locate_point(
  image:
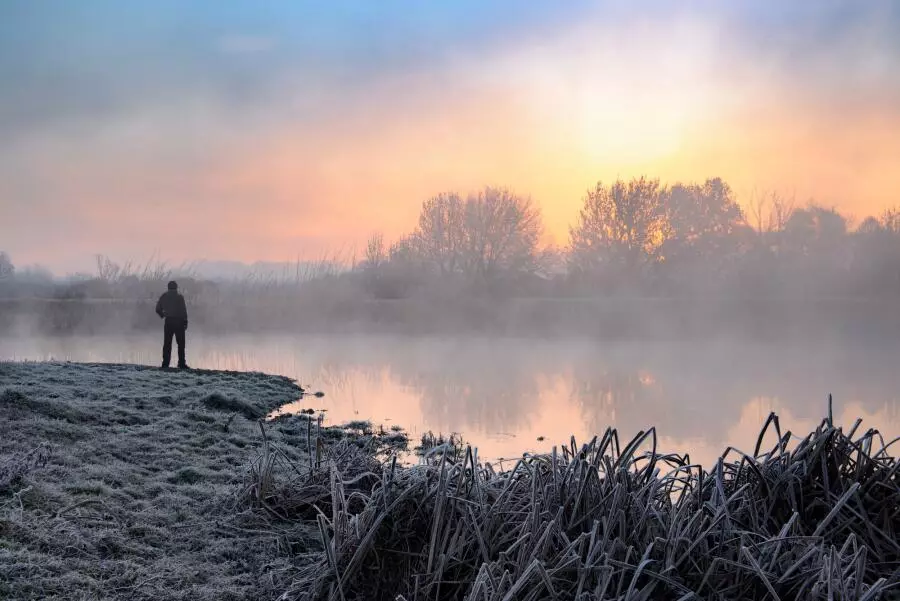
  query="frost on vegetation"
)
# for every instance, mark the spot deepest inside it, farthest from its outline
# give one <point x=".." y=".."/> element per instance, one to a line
<point x="606" y="520"/>
<point x="14" y="467"/>
<point x="119" y="482"/>
<point x="228" y="401"/>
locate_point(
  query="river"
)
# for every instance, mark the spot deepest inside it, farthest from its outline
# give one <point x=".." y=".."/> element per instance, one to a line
<point x="509" y="396"/>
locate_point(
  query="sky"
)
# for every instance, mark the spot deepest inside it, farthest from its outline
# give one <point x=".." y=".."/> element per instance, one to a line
<point x="275" y="130"/>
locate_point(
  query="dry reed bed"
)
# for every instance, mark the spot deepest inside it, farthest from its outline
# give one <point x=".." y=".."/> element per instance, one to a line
<point x="818" y="519"/>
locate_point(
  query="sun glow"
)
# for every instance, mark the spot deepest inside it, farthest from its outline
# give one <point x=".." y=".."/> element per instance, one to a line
<point x="550" y="116"/>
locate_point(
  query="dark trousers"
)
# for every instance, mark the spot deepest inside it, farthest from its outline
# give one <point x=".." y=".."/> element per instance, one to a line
<point x="174" y="327"/>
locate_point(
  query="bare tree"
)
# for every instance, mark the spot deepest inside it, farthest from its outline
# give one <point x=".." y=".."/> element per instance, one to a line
<point x="704" y="239"/>
<point x="376" y="252"/>
<point x="404" y="250"/>
<point x="622" y="224"/>
<point x="697" y="212"/>
<point x="814" y="230"/>
<point x="782" y="211"/>
<point x="551" y="261"/>
<point x="493" y="230"/>
<point x="501" y="233"/>
<point x="7" y="269"/>
<point x="107" y="270"/>
<point x="890" y="220"/>
<point x="756" y="216"/>
<point x="870" y="226"/>
<point x="439" y="236"/>
<point x="770" y="213"/>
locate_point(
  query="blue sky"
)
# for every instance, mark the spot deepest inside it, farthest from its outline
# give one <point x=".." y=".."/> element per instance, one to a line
<point x="62" y="59"/>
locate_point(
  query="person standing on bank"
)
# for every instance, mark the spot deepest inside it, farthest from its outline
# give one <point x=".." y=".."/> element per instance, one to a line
<point x="172" y="307"/>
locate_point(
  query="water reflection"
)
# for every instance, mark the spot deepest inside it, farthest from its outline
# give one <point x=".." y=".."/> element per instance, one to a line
<point x="505" y="394"/>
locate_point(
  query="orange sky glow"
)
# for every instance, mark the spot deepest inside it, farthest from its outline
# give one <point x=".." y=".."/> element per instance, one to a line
<point x="547" y="118"/>
<point x="550" y="122"/>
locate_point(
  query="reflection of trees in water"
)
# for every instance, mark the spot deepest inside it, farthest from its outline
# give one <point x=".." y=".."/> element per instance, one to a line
<point x="469" y="386"/>
<point x="484" y="387"/>
<point x="482" y="391"/>
<point x="487" y="387"/>
<point x="702" y="393"/>
<point x="608" y="395"/>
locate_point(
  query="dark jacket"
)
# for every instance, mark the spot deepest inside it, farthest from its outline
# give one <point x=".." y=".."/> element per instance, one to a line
<point x="171" y="305"/>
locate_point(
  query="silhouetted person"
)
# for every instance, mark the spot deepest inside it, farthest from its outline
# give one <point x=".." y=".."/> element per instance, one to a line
<point x="172" y="307"/>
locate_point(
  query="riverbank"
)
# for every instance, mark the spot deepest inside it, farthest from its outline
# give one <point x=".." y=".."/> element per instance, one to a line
<point x="122" y="481"/>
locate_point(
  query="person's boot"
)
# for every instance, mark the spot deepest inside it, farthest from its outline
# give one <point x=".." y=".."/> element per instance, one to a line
<point x="183" y="366"/>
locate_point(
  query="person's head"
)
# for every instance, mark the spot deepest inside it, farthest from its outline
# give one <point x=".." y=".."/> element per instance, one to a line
<point x="173" y="286"/>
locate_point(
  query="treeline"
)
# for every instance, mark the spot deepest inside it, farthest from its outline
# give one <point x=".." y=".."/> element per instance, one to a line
<point x="641" y="238"/>
<point x="636" y="238"/>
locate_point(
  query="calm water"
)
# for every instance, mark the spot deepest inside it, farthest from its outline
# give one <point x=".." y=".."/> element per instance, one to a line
<point x="505" y="394"/>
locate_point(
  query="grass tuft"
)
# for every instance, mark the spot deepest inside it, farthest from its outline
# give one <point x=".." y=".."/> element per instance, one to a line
<point x="186" y="475"/>
<point x="15" y="400"/>
<point x="16" y="467"/>
<point x="220" y="401"/>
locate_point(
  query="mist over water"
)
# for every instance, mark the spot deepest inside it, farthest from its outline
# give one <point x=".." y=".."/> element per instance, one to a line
<point x="506" y="394"/>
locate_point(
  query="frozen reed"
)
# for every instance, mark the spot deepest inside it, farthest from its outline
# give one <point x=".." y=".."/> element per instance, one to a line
<point x="610" y="519"/>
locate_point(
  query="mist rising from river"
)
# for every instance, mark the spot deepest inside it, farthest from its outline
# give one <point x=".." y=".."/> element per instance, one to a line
<point x="505" y="394"/>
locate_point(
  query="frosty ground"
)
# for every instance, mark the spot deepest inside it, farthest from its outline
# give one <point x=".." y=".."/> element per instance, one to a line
<point x="124" y="482"/>
<point x="121" y="481"/>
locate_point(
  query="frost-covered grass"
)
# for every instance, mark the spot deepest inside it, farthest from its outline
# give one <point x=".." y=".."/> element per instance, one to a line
<point x="121" y="481"/>
<point x="128" y="482"/>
